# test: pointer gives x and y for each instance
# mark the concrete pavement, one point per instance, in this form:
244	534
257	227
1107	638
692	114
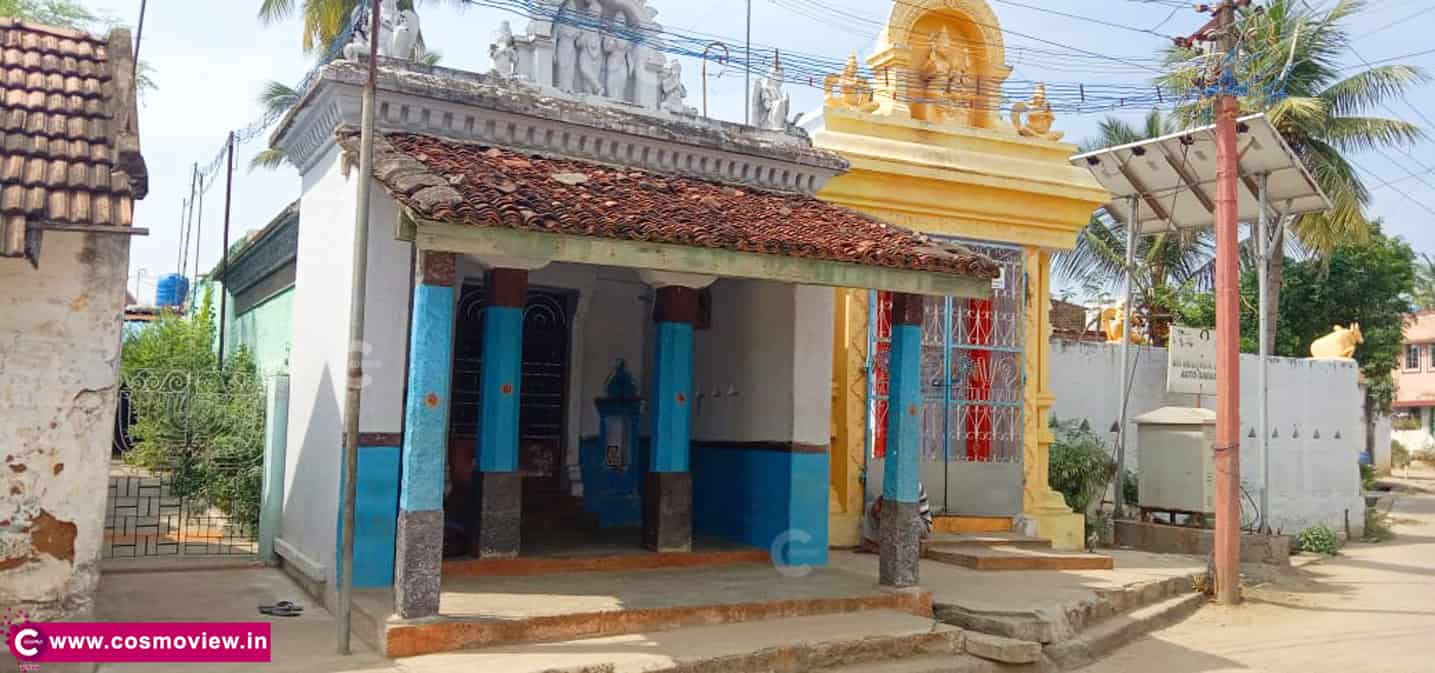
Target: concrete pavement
1369	610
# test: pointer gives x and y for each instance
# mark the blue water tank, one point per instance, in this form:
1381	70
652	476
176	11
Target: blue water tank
171	291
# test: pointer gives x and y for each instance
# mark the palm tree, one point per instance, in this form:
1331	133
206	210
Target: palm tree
1291	66
1166	263
1424	295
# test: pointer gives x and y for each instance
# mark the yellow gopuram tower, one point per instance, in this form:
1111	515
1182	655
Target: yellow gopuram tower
931	150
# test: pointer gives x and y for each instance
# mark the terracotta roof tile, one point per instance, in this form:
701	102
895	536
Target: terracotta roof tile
60	127
449	180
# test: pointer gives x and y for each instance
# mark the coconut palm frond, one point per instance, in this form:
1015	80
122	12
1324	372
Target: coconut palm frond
1368	88
268	159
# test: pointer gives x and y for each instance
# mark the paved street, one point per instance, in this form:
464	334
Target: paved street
1370	610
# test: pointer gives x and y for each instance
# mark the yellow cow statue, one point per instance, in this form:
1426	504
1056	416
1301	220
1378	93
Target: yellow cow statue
1339	344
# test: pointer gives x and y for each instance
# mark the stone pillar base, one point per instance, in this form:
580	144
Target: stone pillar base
668	511
498	510
418	564
1066	530
900	544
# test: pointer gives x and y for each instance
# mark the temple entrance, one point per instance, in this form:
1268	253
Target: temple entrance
973	378
543	411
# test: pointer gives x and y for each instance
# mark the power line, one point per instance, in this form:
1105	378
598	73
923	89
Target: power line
1392	24
1087	19
1391	185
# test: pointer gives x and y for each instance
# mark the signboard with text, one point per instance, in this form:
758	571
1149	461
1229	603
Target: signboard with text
1191	367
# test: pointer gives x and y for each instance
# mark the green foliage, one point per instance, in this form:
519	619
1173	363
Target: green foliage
1318	539
1377	526
1424	292
63	13
1367	477
1405	422
1130	489
201	425
1367	282
1399	455
1080	464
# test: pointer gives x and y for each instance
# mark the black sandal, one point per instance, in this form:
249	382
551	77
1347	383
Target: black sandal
282	609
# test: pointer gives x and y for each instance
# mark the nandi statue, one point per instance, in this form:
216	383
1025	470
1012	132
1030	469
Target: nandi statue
1339	344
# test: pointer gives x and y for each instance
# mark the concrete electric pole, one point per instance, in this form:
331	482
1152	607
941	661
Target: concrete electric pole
1222	31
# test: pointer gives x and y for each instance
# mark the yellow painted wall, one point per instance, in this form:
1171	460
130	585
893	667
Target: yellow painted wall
972	175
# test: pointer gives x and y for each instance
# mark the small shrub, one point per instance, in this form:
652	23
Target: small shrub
1399	455
1080	465
1130	491
1377	526
1367	477
1318	539
1405	422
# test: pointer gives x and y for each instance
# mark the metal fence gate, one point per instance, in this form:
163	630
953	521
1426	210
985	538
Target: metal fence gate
186	465
973	381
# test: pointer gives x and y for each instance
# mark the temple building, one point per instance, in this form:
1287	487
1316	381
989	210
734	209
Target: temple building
932	147
597	324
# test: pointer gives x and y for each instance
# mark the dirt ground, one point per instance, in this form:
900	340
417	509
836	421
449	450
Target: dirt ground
1369	610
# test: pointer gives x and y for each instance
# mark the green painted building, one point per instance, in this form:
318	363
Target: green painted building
259	281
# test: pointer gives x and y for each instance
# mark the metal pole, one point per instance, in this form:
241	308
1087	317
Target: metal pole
188	224
1119	508
1228	334
356	331
747	70
198	227
1263	256
224	252
139	35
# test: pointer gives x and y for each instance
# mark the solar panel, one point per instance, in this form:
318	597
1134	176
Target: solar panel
1174	177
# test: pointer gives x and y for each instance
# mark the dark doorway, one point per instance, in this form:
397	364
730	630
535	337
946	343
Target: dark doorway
543	401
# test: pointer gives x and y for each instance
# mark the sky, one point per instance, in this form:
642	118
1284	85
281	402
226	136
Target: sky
211	57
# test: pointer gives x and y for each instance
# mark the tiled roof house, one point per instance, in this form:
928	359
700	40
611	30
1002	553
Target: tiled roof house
71	154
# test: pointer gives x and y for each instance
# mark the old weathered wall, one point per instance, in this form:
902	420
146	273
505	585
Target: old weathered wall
59	356
1315	411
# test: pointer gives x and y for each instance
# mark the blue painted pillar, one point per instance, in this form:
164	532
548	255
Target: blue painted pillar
900	524
668	486
498	486
419	549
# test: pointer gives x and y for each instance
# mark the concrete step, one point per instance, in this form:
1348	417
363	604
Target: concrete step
942	664
988	540
1010	557
961	523
793	645
1104	637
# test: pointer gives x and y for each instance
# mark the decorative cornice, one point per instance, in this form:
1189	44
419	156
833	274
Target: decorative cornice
515	115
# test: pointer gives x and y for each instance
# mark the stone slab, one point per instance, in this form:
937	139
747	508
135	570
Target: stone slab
1008	557
1165	539
1004	650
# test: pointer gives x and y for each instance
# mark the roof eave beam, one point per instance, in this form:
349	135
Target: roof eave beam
500	242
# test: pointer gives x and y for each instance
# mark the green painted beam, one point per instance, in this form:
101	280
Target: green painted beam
500	242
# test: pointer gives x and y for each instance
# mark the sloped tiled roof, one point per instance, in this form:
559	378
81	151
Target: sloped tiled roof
68	133
453	181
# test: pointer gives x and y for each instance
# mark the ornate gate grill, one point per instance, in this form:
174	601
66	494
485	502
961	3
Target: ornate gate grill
973	374
187	465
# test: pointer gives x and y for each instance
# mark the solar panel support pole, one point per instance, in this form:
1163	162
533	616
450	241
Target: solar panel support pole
1119	498
1263	257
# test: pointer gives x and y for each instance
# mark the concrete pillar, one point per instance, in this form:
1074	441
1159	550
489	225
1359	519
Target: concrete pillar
498	486
668	485
900	525
276	437
1054	520
419	547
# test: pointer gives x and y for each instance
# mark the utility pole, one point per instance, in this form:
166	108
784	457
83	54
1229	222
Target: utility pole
747	70
224	252
1221	29
357	297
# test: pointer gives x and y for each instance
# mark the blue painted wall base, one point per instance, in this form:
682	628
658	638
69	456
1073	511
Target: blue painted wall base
774	500
376	515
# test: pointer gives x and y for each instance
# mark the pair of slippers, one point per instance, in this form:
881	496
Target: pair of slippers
282	609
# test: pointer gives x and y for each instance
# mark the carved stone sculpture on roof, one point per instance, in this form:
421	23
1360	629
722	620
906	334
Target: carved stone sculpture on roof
565	58
672	91
590	51
850	90
1039	117
618	61
400	34
770	104
943	78
504	52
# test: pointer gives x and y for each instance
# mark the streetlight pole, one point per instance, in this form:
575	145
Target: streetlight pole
747	71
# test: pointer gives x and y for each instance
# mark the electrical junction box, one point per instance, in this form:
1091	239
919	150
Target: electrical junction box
1177	469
